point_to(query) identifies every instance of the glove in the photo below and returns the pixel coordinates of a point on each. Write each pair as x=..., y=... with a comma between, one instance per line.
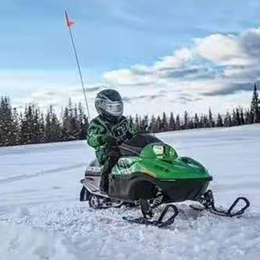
x=110, y=140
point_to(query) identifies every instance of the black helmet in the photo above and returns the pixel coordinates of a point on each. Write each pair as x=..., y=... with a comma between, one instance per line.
x=109, y=104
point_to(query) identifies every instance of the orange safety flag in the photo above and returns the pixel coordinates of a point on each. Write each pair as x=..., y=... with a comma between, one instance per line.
x=68, y=21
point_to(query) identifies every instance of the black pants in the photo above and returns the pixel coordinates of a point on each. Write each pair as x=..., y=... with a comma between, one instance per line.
x=112, y=159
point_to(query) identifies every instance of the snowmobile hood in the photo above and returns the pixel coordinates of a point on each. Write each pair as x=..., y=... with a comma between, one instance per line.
x=177, y=169
x=161, y=161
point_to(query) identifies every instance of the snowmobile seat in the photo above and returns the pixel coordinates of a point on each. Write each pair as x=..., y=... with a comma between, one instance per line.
x=94, y=169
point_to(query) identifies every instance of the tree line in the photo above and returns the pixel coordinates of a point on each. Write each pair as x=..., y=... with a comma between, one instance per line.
x=32, y=126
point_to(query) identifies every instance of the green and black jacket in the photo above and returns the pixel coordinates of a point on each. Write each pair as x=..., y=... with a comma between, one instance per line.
x=99, y=127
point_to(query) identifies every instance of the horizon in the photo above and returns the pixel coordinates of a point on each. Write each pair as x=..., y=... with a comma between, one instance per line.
x=59, y=112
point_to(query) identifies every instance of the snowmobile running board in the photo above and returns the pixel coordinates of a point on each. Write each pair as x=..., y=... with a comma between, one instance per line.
x=208, y=202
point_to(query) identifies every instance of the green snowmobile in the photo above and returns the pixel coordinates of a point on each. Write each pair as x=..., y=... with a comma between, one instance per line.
x=151, y=173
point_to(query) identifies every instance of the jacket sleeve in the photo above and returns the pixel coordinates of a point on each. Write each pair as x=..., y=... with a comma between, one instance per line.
x=96, y=133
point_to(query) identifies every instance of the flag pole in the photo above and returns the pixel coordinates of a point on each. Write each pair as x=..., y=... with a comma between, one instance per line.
x=69, y=23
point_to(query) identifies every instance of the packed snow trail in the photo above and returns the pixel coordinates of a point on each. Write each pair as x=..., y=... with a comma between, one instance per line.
x=41, y=217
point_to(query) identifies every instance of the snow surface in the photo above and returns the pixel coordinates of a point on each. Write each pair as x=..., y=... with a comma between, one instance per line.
x=41, y=217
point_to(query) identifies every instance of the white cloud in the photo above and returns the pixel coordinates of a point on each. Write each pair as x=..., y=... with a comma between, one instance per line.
x=177, y=60
x=215, y=66
x=221, y=49
x=222, y=61
x=136, y=76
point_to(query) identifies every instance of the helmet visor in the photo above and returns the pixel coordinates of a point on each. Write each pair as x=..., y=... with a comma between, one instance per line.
x=113, y=108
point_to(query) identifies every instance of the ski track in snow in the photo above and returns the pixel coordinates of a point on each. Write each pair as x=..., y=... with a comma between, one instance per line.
x=37, y=174
x=41, y=217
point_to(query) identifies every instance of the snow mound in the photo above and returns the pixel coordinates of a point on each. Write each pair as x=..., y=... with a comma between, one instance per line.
x=103, y=233
x=23, y=242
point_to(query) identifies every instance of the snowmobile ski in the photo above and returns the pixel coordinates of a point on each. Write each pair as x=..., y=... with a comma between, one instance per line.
x=147, y=216
x=207, y=202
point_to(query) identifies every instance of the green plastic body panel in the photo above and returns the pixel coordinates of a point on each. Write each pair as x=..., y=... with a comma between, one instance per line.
x=164, y=167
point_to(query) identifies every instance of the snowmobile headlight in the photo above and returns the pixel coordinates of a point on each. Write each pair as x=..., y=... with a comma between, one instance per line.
x=158, y=149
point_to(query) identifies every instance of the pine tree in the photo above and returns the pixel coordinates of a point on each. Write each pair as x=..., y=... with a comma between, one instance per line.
x=219, y=121
x=255, y=105
x=145, y=123
x=8, y=128
x=158, y=124
x=178, y=122
x=16, y=128
x=238, y=119
x=85, y=127
x=249, y=117
x=191, y=123
x=71, y=126
x=137, y=123
x=131, y=123
x=235, y=120
x=172, y=124
x=27, y=126
x=164, y=123
x=211, y=122
x=36, y=136
x=52, y=127
x=196, y=121
x=241, y=114
x=42, y=128
x=65, y=125
x=83, y=123
x=228, y=120
x=204, y=121
x=186, y=120
x=74, y=124
x=152, y=127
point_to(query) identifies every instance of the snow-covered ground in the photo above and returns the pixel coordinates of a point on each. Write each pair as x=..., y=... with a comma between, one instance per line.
x=41, y=217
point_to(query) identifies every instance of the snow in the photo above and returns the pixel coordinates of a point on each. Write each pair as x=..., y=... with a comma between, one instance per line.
x=41, y=217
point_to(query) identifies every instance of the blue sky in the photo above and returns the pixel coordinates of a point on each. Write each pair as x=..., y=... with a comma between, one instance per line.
x=36, y=55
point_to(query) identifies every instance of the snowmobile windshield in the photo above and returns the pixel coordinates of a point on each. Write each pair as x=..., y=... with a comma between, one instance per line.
x=135, y=145
x=142, y=140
